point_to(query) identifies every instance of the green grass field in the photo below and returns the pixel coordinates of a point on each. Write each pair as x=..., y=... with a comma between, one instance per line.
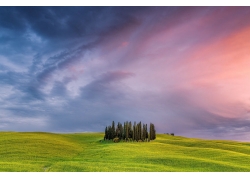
x=83, y=152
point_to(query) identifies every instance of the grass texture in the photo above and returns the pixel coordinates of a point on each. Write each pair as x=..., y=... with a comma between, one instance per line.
x=83, y=152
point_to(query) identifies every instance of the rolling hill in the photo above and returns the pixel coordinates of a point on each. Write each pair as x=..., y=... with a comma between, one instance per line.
x=39, y=152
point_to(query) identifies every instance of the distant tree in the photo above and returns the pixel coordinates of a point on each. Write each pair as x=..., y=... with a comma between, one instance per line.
x=126, y=130
x=139, y=128
x=106, y=133
x=138, y=131
x=119, y=126
x=109, y=133
x=121, y=134
x=144, y=132
x=152, y=131
x=117, y=131
x=130, y=131
x=113, y=130
x=134, y=131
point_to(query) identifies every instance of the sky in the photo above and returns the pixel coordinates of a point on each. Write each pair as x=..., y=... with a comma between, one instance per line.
x=76, y=69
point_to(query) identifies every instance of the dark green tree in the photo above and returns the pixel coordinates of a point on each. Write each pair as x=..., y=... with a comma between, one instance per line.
x=154, y=132
x=134, y=131
x=140, y=134
x=146, y=132
x=113, y=130
x=143, y=132
x=106, y=133
x=126, y=130
x=130, y=131
x=150, y=132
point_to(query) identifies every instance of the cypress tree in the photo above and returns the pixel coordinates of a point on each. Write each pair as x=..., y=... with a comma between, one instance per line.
x=143, y=133
x=154, y=136
x=120, y=131
x=106, y=133
x=109, y=133
x=117, y=131
x=150, y=132
x=140, y=131
x=126, y=130
x=137, y=131
x=130, y=131
x=142, y=136
x=134, y=131
x=113, y=130
x=121, y=134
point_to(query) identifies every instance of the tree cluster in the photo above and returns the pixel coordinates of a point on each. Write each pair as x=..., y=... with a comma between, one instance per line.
x=128, y=132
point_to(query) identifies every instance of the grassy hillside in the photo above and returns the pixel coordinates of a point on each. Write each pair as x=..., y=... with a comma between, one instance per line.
x=83, y=152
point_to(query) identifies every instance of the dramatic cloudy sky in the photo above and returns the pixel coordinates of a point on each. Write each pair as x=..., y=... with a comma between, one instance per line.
x=71, y=69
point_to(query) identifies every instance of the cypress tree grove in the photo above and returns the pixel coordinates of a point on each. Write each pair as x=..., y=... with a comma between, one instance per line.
x=137, y=132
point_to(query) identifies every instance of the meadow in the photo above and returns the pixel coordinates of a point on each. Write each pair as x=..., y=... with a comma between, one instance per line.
x=83, y=152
